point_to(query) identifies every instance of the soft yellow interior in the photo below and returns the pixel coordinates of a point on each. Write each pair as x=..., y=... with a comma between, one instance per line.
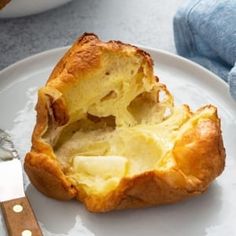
x=122, y=123
x=99, y=158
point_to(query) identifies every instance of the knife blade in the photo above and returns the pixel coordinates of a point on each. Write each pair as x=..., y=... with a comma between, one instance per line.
x=16, y=209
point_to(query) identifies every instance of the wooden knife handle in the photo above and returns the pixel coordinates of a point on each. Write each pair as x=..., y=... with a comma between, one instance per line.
x=19, y=217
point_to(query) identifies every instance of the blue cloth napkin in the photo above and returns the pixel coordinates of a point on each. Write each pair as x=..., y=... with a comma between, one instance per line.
x=205, y=32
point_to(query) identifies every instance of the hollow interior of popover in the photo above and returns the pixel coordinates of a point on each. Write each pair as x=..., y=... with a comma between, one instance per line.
x=122, y=124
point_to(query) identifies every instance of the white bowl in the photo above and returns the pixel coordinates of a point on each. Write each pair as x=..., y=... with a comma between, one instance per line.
x=17, y=8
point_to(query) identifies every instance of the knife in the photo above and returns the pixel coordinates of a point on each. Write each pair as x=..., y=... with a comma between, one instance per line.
x=17, y=212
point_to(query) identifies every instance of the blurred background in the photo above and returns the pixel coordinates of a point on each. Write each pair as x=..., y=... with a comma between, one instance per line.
x=148, y=23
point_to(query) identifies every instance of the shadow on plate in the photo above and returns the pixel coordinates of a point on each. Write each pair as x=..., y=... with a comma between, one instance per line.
x=190, y=217
x=57, y=217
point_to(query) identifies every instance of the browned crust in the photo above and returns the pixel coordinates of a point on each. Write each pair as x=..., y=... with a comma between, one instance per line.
x=198, y=154
x=47, y=176
x=77, y=58
x=3, y=3
x=144, y=190
x=83, y=56
x=200, y=151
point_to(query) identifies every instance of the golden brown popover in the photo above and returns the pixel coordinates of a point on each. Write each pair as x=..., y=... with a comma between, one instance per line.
x=3, y=3
x=108, y=133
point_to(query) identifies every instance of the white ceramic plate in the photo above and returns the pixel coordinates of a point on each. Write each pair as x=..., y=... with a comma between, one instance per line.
x=212, y=213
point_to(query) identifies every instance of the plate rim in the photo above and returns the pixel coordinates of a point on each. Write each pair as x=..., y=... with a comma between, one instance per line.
x=145, y=48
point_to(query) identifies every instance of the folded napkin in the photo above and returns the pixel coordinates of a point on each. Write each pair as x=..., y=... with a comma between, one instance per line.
x=205, y=32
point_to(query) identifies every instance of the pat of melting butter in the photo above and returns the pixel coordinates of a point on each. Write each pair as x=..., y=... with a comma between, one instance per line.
x=103, y=166
x=99, y=174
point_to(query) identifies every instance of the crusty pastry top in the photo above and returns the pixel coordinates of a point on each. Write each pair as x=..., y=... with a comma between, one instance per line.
x=109, y=134
x=3, y=3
